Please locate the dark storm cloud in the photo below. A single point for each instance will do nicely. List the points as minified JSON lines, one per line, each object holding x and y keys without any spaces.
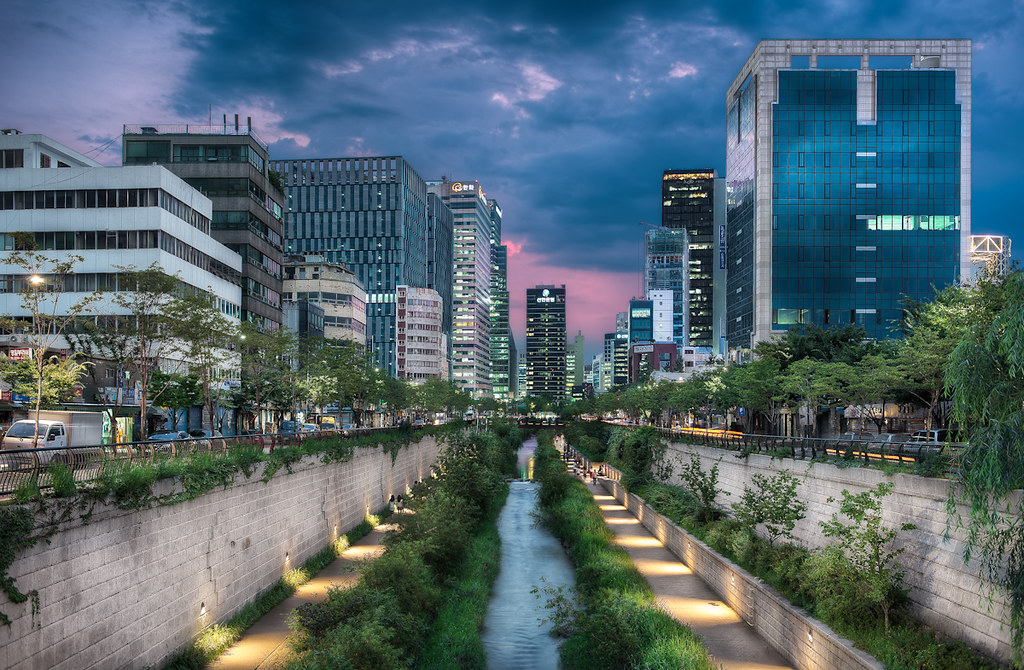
{"x":567,"y":114}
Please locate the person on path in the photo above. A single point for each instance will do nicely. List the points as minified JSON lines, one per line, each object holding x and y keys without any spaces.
{"x":391,"y":504}
{"x":398,"y":503}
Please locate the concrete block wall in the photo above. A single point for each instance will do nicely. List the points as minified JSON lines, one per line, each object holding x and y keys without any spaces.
{"x":945,"y":594}
{"x":806,"y":642}
{"x":125,"y":589}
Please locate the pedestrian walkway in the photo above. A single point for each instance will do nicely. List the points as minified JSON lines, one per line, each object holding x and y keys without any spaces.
{"x":263,"y":646}
{"x":729,"y":640}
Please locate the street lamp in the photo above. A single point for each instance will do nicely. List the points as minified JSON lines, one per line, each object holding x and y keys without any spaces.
{"x":35,"y":281}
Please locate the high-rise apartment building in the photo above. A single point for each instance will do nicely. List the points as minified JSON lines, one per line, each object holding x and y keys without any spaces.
{"x":502,"y":367}
{"x":422,"y":349}
{"x":501,"y":336}
{"x":471,"y":287}
{"x":849,"y":180}
{"x":369,"y":213}
{"x":694,"y":201}
{"x":230,"y":165}
{"x":545,"y":341}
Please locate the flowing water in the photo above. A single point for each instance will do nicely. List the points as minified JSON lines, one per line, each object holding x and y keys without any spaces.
{"x":513,"y":635}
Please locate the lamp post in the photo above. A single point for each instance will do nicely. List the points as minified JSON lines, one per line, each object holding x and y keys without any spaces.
{"x":35,"y":281}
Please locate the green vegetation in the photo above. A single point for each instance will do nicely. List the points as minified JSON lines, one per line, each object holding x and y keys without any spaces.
{"x":854,"y":586}
{"x":216,"y":639}
{"x":130,"y":486}
{"x":773,"y":504}
{"x":454,"y":640}
{"x":985,"y":377}
{"x":389,"y":616}
{"x":610,"y":620}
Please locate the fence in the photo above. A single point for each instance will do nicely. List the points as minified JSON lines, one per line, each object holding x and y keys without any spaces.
{"x":806,"y":448}
{"x":19,"y":467}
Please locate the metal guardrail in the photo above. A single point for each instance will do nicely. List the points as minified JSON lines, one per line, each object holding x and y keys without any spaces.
{"x":21,"y":466}
{"x":866,"y":451}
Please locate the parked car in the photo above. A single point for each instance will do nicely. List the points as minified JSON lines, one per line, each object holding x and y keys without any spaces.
{"x":288,"y":427}
{"x":206,"y":439}
{"x":310,"y":428}
{"x":890,"y":441}
{"x":164,"y":439}
{"x":935,"y":435}
{"x":852,"y":439}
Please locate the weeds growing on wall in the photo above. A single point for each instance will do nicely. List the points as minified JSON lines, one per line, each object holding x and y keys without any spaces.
{"x":130,"y":486}
{"x":843,"y":588}
{"x":610,"y":620}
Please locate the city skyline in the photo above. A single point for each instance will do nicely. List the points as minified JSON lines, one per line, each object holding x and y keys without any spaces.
{"x":568,"y":118}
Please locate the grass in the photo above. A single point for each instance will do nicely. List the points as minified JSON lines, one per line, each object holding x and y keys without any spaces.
{"x":454,"y":641}
{"x":610,"y":620}
{"x":216,"y":639}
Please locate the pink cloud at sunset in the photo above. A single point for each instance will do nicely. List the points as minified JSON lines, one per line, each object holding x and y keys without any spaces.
{"x":592,"y":297}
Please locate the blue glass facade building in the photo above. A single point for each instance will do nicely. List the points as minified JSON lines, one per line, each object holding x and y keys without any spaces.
{"x":848,"y":183}
{"x":369,"y":213}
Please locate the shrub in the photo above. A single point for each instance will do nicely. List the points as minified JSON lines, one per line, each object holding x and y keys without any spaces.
{"x":867,"y":546}
{"x":704,"y":488}
{"x":774,"y":504}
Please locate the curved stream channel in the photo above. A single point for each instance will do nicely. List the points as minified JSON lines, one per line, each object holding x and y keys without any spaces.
{"x":513,"y":635}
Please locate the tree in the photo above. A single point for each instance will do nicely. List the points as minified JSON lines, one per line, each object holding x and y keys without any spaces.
{"x":177,"y":392}
{"x":866,"y":384}
{"x":931,"y":331}
{"x":203,"y":337}
{"x":341,"y":373}
{"x":44,"y":283}
{"x":815,"y":382}
{"x":985,"y":379}
{"x":266,"y":368}
{"x":868,"y":545}
{"x":134,"y":342}
{"x":756,"y":386}
{"x":704,"y":488}
{"x":774,"y":504}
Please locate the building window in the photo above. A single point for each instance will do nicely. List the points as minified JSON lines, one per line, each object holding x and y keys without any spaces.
{"x":12,"y":158}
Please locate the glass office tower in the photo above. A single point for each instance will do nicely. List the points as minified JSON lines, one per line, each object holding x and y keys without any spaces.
{"x":694,"y":201}
{"x":848,"y":182}
{"x":545,"y":341}
{"x":473,"y":226}
{"x":666,"y":268}
{"x":369,"y":213}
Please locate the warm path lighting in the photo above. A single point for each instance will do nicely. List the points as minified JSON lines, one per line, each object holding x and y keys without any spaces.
{"x":731,"y":642}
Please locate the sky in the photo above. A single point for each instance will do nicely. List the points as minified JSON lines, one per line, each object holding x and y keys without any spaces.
{"x":567,"y":113}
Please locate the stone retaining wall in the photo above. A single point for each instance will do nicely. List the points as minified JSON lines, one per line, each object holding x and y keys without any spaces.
{"x":944,"y":593}
{"x":125,"y":590}
{"x":806,"y":642}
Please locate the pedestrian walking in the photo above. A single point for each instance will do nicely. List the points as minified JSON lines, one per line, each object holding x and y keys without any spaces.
{"x":398,"y":503}
{"x":391,"y":504}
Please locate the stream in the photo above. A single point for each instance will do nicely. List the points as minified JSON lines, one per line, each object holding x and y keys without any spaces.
{"x":513,"y":636}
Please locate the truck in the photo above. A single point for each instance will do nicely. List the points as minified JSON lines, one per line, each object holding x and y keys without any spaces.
{"x":57,"y":430}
